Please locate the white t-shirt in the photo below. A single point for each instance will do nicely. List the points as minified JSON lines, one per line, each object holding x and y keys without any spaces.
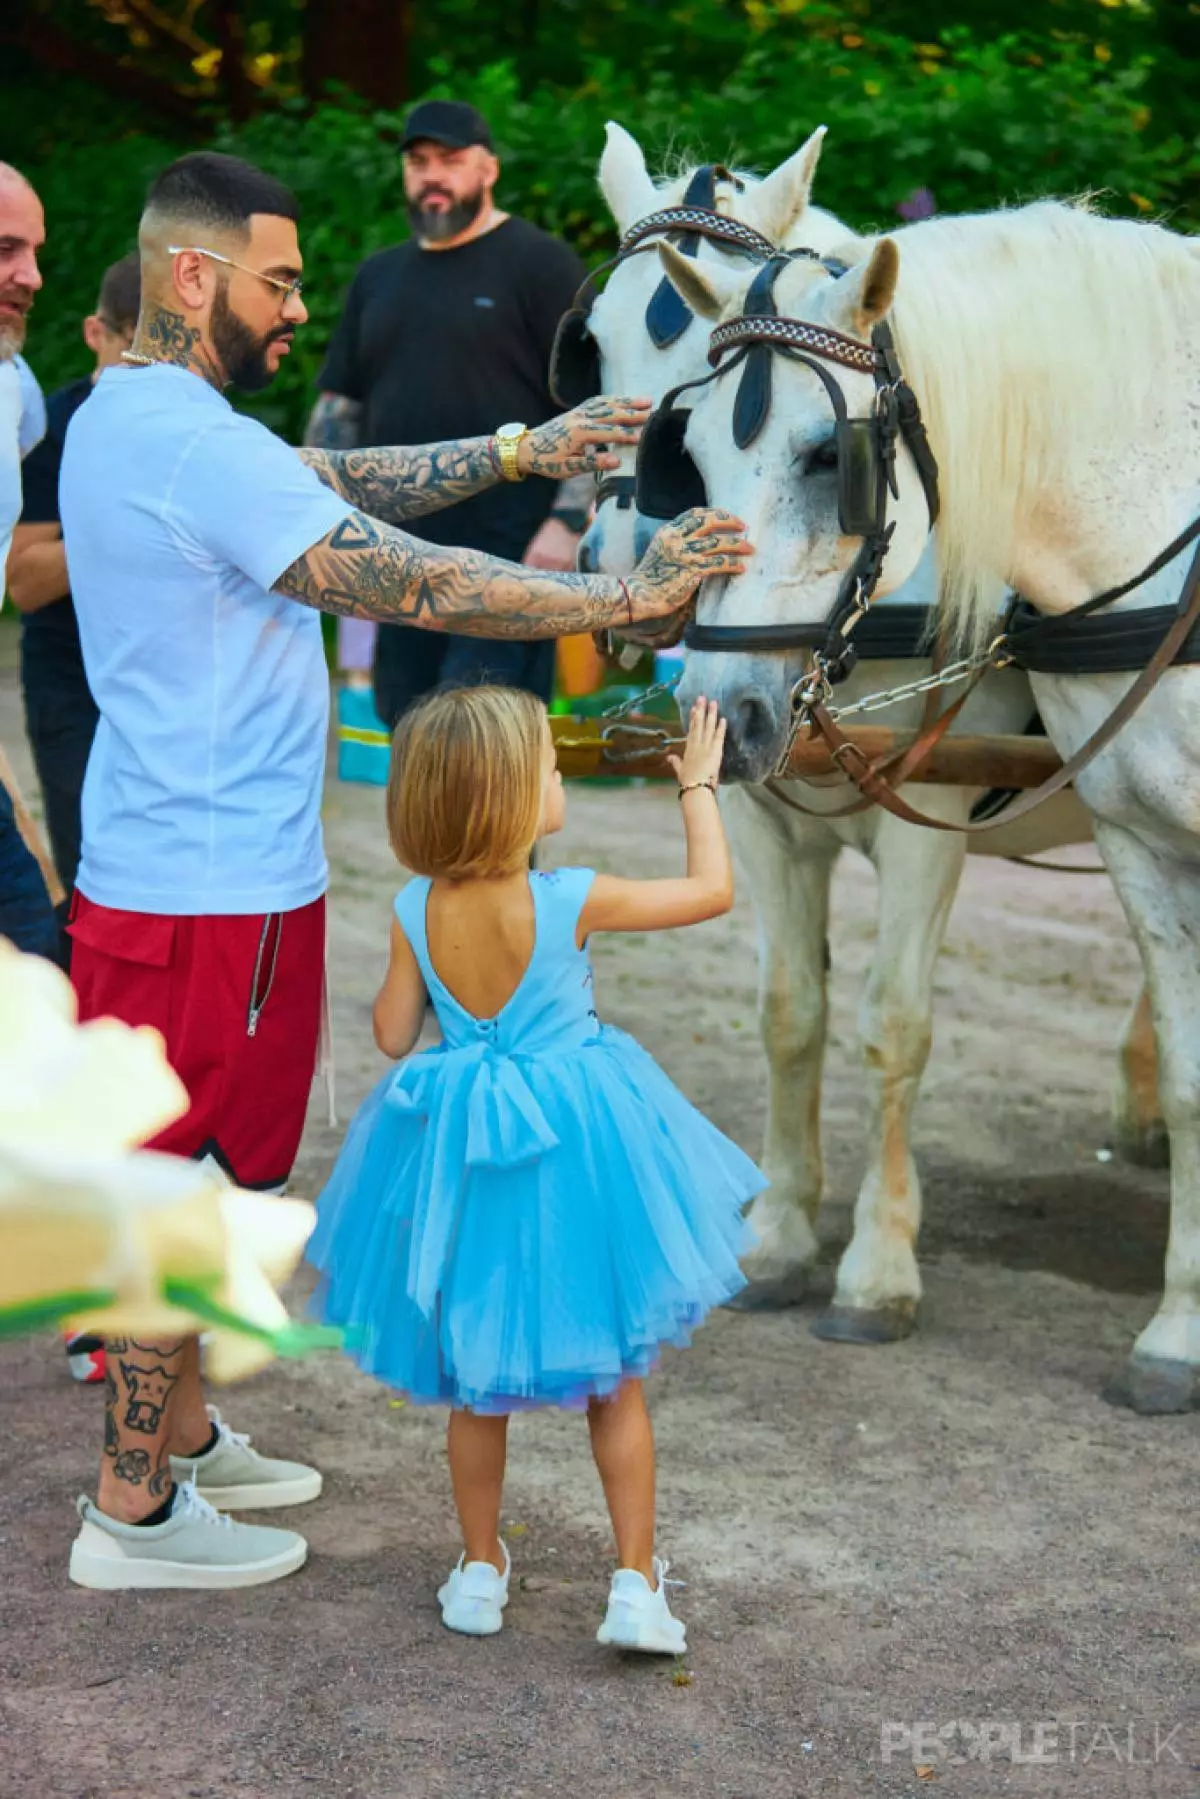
{"x":22,"y":425}
{"x":203,"y":788}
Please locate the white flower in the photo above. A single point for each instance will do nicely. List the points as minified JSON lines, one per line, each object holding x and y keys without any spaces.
{"x":98,"y":1234}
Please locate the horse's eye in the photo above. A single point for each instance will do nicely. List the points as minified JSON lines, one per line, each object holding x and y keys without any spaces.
{"x":821,"y":458}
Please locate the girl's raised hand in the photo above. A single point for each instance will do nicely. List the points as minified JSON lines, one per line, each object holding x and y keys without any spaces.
{"x":700,"y":764}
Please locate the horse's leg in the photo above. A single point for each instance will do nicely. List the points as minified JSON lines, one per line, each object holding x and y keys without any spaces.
{"x":1139,"y":1133}
{"x":878,"y":1283}
{"x":1160,"y":890}
{"x":788,"y":862}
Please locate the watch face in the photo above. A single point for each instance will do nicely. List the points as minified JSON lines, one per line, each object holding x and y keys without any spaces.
{"x":510,"y":431}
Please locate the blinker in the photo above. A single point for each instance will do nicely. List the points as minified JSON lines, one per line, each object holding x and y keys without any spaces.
{"x":574,"y":361}
{"x":667,"y":480}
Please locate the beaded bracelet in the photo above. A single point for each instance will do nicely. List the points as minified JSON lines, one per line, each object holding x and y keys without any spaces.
{"x":691,"y":787}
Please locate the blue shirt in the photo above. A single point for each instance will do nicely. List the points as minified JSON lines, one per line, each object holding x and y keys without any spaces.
{"x":22,"y":424}
{"x":203,"y":789}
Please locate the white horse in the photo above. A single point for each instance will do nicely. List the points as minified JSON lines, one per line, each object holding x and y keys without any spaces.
{"x":789,"y":858}
{"x":1055,"y":359}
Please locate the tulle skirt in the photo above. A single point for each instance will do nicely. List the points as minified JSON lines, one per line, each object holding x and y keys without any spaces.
{"x":507,"y":1231}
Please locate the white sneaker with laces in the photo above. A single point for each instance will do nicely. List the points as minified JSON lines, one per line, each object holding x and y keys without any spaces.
{"x":638,"y":1615}
{"x":475,"y":1595}
{"x":237,"y":1478}
{"x":196,"y":1547}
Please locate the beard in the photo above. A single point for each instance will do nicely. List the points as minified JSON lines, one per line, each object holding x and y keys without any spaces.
{"x":242,"y":352}
{"x":436,"y":227}
{"x":12,"y":329}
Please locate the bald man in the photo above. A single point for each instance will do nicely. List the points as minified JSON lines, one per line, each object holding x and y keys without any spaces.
{"x":26,"y":915}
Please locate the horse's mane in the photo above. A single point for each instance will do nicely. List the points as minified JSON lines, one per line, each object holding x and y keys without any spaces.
{"x":1030,"y":337}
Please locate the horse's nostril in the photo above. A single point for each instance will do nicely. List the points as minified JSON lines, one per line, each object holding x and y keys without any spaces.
{"x":752,"y":724}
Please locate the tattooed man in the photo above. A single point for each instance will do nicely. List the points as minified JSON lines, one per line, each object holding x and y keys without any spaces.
{"x":201,"y":551}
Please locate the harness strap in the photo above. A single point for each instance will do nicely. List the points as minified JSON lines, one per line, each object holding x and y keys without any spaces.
{"x":899,"y":767}
{"x":870,"y":781}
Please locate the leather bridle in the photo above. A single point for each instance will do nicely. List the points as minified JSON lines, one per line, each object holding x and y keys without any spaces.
{"x":866,"y":453}
{"x":897,"y":416}
{"x":575,"y":356}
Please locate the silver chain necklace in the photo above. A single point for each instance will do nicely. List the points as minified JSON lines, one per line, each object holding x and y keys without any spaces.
{"x":138,"y":361}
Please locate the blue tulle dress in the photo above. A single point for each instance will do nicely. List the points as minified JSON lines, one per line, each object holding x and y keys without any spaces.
{"x":523,"y":1215}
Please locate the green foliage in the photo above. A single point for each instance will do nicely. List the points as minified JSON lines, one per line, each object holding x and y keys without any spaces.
{"x":978,"y":121}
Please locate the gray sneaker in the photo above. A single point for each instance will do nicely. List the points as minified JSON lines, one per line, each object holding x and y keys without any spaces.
{"x":196,"y":1547}
{"x":237,"y":1478}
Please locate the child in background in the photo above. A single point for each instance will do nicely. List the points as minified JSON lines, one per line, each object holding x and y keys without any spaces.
{"x":524,"y":1215}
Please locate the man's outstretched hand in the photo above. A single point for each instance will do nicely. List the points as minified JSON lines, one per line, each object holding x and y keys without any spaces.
{"x":583,"y":442}
{"x":693,"y":547}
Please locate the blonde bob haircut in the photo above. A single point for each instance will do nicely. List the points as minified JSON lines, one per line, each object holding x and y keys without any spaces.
{"x":464,"y":795}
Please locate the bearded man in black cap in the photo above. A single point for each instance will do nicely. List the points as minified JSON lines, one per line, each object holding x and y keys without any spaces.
{"x":448,"y":336}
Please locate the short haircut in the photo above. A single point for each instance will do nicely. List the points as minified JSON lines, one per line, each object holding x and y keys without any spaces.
{"x":120,"y":295}
{"x":218,"y":193}
{"x":464,"y":793}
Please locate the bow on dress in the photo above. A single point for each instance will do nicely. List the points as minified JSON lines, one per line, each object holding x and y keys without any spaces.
{"x":484,"y":1116}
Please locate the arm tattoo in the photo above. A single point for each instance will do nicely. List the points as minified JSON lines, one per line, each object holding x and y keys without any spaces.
{"x":167,"y":337}
{"x":333,"y":424}
{"x":363,"y":569}
{"x":402,"y":483}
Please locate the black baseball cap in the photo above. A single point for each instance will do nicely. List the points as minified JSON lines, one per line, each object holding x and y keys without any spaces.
{"x":449,"y":122}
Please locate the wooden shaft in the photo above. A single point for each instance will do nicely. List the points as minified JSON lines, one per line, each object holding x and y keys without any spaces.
{"x":1001,"y":761}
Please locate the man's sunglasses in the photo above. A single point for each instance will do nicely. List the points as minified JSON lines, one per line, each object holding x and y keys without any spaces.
{"x":288,"y":289}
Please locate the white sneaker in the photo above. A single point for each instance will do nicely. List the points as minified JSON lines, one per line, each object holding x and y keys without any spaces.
{"x":638,"y":1615}
{"x":196,"y":1547}
{"x":474,"y":1597}
{"x":237,"y":1478}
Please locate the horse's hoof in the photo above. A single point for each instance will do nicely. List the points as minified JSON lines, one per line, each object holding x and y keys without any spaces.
{"x":774,"y":1293}
{"x":889,"y":1323}
{"x":1155,"y":1387}
{"x":1144,"y":1145}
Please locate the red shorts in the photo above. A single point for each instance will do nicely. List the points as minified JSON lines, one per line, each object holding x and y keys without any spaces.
{"x":238,"y":1001}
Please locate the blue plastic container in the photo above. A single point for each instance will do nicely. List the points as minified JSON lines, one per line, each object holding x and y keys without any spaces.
{"x":364,"y":742}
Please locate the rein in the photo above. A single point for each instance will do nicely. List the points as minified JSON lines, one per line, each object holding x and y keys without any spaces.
{"x":873,"y":783}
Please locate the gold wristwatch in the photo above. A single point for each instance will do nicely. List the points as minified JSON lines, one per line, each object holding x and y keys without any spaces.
{"x":508,"y":442}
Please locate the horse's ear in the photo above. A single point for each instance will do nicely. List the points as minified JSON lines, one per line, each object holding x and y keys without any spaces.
{"x":781,"y":198}
{"x":624,"y":179}
{"x":864,"y":295}
{"x":707,"y":291}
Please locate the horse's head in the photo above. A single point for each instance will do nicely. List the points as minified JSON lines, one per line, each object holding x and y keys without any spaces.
{"x":766,"y":439}
{"x":644,"y":344}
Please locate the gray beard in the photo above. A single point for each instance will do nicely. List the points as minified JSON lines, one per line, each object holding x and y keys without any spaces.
{"x":436,"y":227}
{"x":12,"y":340}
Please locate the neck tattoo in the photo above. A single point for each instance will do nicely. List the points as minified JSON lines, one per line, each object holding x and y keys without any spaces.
{"x":167,"y":337}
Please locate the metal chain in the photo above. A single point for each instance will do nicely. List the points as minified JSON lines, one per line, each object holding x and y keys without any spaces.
{"x":655,"y":740}
{"x":892,"y":696}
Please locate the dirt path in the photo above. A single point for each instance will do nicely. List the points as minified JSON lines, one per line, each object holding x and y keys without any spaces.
{"x":957,"y":1529}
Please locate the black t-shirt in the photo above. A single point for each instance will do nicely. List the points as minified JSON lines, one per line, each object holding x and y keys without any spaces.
{"x":50,"y":637}
{"x":440,"y":344}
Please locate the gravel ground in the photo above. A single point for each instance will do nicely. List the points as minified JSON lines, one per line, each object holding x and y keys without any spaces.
{"x":877,"y":1544}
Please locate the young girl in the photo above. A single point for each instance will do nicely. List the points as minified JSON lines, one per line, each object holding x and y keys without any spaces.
{"x":523,"y":1215}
